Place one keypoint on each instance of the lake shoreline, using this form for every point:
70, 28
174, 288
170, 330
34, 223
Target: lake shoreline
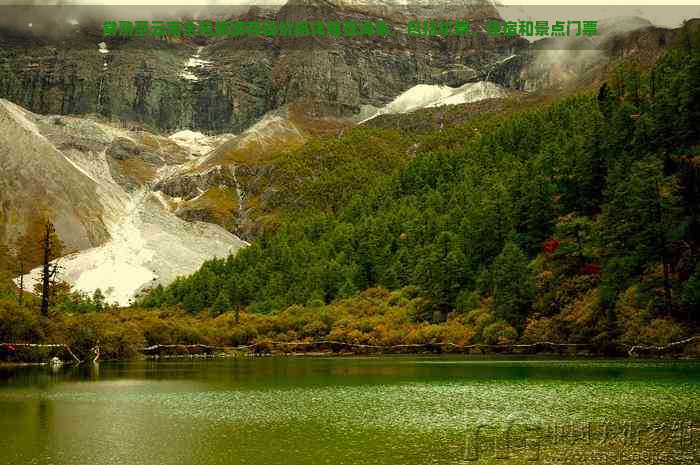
331, 354
687, 348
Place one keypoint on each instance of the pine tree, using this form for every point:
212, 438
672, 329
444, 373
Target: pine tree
512, 284
441, 271
98, 299
237, 295
221, 304
640, 223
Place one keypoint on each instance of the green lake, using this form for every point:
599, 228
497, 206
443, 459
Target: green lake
354, 410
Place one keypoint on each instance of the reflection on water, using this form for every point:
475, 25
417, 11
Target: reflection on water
375, 410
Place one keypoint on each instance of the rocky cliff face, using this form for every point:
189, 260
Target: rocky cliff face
224, 84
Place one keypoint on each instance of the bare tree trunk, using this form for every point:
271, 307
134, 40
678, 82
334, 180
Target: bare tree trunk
55, 268
46, 270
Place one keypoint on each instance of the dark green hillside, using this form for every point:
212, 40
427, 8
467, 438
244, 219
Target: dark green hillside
573, 220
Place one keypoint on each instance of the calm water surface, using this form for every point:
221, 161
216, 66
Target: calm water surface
374, 410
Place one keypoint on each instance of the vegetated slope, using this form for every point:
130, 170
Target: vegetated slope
577, 221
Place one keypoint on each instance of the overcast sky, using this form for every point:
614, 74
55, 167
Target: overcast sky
658, 12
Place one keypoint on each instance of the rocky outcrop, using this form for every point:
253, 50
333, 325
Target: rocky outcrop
192, 184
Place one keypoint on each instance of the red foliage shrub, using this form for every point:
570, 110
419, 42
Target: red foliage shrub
550, 245
590, 269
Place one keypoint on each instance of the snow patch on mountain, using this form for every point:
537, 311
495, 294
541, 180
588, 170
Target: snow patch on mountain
472, 92
193, 63
420, 96
428, 96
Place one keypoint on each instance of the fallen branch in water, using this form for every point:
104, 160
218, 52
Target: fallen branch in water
24, 344
185, 346
95, 350
660, 348
359, 346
